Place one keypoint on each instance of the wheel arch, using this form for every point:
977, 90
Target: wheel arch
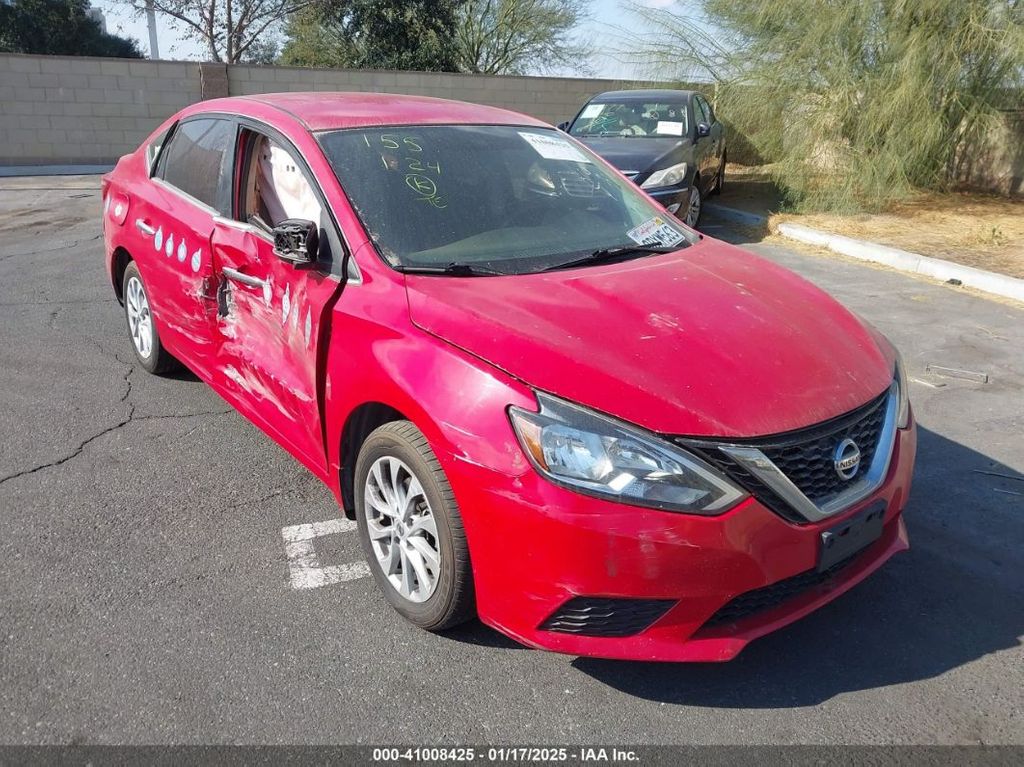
359, 424
461, 429
119, 261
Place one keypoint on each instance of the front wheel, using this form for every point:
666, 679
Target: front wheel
694, 205
411, 529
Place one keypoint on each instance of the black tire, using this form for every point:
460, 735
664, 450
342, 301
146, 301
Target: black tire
159, 360
695, 186
719, 178
453, 600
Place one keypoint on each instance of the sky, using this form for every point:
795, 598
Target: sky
605, 17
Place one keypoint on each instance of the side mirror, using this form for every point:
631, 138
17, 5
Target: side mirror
564, 127
297, 241
703, 129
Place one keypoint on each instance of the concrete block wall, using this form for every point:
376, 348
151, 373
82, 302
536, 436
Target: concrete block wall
82, 110
552, 99
56, 110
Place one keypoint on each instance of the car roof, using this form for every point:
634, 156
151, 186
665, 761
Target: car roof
654, 94
333, 110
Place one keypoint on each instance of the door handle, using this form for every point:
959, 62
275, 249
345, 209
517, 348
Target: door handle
245, 279
145, 228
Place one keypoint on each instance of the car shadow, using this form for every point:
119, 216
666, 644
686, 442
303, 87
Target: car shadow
476, 633
750, 192
182, 374
953, 598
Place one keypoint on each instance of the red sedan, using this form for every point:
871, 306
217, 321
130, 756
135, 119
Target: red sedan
545, 400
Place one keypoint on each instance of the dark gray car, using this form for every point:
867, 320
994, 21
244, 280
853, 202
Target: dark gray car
669, 142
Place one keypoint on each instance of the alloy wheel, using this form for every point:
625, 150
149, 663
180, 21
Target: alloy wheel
693, 207
140, 320
402, 529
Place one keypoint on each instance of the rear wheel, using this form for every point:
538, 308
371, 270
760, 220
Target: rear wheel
719, 178
145, 340
411, 529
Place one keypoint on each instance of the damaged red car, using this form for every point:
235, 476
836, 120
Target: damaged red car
544, 400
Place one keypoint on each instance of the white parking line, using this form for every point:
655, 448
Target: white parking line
305, 570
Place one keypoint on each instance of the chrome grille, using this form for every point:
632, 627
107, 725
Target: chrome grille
794, 473
809, 463
577, 185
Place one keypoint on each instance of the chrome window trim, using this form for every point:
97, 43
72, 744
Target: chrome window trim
258, 231
243, 226
354, 275
759, 465
186, 196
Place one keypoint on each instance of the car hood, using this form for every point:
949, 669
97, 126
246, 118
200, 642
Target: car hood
707, 341
640, 154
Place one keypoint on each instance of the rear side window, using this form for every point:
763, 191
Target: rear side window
197, 160
153, 151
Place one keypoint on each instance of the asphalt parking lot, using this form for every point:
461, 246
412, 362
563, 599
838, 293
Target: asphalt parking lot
149, 556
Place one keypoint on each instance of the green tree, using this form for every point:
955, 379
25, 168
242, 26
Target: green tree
374, 34
58, 27
520, 36
858, 102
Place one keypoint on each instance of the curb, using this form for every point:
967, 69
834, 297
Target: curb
14, 171
902, 260
905, 261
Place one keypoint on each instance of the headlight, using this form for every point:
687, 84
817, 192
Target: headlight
903, 412
597, 455
674, 174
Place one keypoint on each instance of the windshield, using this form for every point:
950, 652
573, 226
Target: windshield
501, 199
632, 118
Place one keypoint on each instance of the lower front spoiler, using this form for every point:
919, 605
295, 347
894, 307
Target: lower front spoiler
723, 642
673, 199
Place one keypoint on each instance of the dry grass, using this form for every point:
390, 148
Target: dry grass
985, 231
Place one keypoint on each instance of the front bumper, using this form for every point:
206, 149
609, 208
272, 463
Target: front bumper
535, 546
672, 198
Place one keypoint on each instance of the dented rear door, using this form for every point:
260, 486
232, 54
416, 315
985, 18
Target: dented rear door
172, 217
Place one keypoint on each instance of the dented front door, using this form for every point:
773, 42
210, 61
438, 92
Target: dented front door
270, 324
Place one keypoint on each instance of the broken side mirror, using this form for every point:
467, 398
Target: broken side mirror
297, 241
564, 127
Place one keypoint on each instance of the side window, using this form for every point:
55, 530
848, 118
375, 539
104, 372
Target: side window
275, 187
698, 111
709, 115
197, 161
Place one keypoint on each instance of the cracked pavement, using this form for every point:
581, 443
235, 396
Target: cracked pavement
144, 590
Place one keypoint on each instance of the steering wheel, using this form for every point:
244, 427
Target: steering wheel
633, 130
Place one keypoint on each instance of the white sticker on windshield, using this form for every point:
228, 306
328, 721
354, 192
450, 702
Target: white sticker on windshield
657, 231
554, 147
591, 110
669, 128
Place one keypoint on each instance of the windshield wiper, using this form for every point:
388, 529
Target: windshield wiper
452, 270
610, 254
